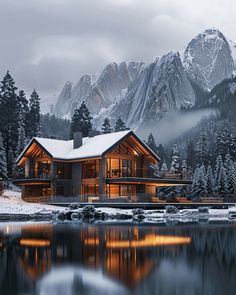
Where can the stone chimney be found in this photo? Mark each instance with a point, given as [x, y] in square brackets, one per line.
[78, 139]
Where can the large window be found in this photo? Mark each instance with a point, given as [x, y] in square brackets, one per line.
[117, 190]
[119, 168]
[63, 170]
[90, 169]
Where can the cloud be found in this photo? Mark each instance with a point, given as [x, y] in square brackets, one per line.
[47, 42]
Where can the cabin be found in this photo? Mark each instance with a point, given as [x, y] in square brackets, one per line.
[112, 167]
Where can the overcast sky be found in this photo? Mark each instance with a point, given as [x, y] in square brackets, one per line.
[47, 42]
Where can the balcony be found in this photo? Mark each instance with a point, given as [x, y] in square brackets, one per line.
[144, 176]
[36, 176]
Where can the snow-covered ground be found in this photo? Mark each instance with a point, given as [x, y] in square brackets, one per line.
[11, 203]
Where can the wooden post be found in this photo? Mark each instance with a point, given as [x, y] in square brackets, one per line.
[27, 167]
[102, 178]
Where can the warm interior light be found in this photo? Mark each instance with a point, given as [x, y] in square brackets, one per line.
[148, 241]
[34, 243]
[91, 241]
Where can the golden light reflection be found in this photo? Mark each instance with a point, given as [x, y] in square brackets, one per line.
[34, 243]
[149, 241]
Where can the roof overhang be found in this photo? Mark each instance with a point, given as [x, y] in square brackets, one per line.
[148, 181]
[131, 133]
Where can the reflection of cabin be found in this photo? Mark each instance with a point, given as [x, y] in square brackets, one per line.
[113, 166]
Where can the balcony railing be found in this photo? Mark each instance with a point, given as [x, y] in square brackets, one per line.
[145, 173]
[34, 174]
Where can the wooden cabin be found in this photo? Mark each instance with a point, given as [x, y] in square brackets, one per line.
[108, 167]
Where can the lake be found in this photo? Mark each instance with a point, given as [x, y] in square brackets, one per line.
[76, 258]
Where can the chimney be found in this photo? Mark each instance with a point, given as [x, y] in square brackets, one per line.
[78, 138]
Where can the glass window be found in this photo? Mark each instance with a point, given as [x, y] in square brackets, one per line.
[90, 169]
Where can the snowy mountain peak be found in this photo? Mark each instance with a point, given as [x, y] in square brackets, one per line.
[208, 59]
[98, 91]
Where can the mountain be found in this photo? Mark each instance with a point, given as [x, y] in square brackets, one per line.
[208, 58]
[149, 97]
[98, 91]
[160, 88]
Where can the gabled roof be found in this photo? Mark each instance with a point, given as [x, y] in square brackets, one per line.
[92, 147]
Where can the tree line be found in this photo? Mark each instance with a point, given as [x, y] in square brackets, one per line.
[19, 121]
[82, 122]
[210, 165]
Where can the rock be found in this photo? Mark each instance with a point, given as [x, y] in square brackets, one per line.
[74, 206]
[171, 210]
[203, 210]
[88, 212]
[61, 216]
[137, 211]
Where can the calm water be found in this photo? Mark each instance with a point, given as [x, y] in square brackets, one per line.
[74, 258]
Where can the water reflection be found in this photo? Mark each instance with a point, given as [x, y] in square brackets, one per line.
[86, 259]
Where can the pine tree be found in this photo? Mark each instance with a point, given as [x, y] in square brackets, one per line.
[184, 169]
[219, 164]
[106, 126]
[199, 181]
[9, 118]
[230, 173]
[164, 168]
[3, 162]
[222, 181]
[225, 143]
[34, 116]
[162, 154]
[151, 143]
[202, 147]
[155, 169]
[210, 184]
[191, 155]
[120, 125]
[81, 121]
[175, 164]
[23, 110]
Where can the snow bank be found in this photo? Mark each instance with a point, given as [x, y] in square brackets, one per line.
[11, 203]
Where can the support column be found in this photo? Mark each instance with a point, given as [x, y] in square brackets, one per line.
[76, 178]
[102, 178]
[27, 167]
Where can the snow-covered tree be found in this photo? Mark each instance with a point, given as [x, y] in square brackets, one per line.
[164, 168]
[106, 126]
[3, 161]
[81, 121]
[9, 117]
[151, 143]
[23, 110]
[34, 128]
[191, 155]
[230, 173]
[222, 181]
[120, 125]
[210, 183]
[175, 163]
[219, 164]
[184, 169]
[199, 181]
[155, 169]
[202, 147]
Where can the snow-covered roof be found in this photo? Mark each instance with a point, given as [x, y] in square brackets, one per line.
[91, 147]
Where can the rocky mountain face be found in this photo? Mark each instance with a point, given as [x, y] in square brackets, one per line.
[160, 88]
[142, 95]
[98, 91]
[208, 59]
